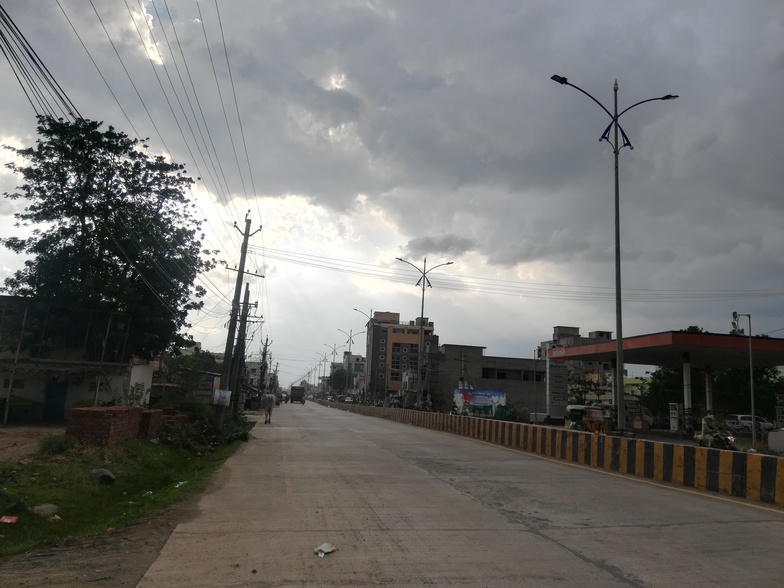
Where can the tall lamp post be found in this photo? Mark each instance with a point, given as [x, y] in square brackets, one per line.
[334, 347]
[369, 355]
[351, 334]
[618, 396]
[537, 356]
[735, 325]
[425, 283]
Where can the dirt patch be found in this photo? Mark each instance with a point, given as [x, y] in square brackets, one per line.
[118, 559]
[16, 441]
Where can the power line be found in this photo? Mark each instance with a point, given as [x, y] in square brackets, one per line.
[31, 72]
[514, 288]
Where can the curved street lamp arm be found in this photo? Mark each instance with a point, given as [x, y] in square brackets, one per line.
[565, 83]
[439, 265]
[626, 141]
[409, 263]
[350, 335]
[667, 97]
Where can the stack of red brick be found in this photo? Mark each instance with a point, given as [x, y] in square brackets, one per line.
[112, 424]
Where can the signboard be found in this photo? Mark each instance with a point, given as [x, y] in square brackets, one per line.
[207, 384]
[221, 397]
[480, 403]
[557, 389]
[675, 413]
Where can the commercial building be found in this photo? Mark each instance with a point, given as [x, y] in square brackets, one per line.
[392, 357]
[466, 366]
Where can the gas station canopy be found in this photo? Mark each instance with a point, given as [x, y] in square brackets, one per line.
[673, 348]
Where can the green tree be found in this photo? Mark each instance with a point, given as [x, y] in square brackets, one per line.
[186, 371]
[583, 389]
[112, 226]
[665, 385]
[338, 380]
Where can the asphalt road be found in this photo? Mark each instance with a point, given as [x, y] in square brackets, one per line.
[411, 507]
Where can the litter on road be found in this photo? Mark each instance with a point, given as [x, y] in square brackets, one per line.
[324, 549]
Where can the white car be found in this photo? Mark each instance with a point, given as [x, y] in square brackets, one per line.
[742, 422]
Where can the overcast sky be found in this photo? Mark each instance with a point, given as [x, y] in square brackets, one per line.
[381, 129]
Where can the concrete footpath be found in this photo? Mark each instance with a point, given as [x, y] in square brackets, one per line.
[410, 507]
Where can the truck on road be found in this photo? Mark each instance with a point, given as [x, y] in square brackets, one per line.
[297, 394]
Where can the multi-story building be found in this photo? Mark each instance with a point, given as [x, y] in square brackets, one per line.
[560, 373]
[253, 374]
[392, 357]
[355, 367]
[466, 366]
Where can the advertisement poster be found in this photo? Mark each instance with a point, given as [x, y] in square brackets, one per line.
[480, 403]
[221, 397]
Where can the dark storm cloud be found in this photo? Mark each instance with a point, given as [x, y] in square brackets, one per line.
[442, 115]
[454, 245]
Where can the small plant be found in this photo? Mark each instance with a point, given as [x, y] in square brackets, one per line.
[57, 444]
[135, 395]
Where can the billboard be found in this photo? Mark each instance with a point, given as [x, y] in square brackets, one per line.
[480, 403]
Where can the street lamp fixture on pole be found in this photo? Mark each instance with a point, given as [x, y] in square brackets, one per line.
[615, 127]
[425, 283]
[370, 358]
[351, 334]
[334, 347]
[735, 325]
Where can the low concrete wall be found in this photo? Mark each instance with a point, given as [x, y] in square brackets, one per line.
[734, 473]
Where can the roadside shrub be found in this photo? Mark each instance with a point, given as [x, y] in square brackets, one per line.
[56, 444]
[237, 429]
[517, 414]
[186, 436]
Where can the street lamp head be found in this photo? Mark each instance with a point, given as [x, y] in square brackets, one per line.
[735, 316]
[559, 79]
[669, 97]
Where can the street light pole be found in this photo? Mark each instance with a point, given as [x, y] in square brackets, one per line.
[537, 355]
[425, 283]
[618, 391]
[334, 347]
[369, 357]
[735, 317]
[351, 334]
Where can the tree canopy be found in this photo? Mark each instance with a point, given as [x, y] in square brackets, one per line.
[112, 226]
[731, 387]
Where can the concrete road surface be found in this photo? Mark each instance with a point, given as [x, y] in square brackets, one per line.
[411, 507]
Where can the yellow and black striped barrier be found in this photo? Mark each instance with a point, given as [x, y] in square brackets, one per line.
[746, 475]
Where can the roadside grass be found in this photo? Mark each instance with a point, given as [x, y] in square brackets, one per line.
[149, 477]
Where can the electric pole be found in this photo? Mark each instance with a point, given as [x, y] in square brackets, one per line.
[226, 383]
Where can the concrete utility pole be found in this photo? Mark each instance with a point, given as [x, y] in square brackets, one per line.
[263, 367]
[226, 383]
[238, 361]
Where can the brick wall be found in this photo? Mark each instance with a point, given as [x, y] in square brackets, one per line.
[151, 423]
[104, 425]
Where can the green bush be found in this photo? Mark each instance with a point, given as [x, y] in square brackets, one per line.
[57, 444]
[517, 414]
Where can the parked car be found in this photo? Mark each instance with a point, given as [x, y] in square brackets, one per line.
[742, 423]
